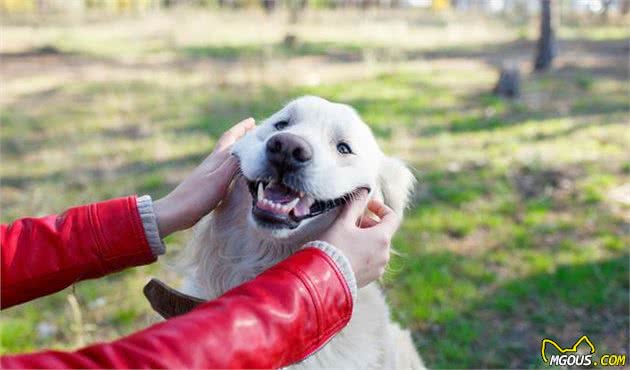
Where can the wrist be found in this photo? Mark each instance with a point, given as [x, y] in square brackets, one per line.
[165, 217]
[179, 210]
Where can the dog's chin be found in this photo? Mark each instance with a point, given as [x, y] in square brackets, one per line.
[268, 220]
[282, 210]
[279, 231]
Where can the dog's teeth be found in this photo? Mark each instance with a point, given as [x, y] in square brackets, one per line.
[298, 212]
[261, 194]
[292, 204]
[304, 206]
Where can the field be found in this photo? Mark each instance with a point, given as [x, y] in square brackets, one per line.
[520, 223]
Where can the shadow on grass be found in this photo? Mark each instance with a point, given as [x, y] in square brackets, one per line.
[73, 178]
[41, 51]
[342, 52]
[232, 105]
[502, 327]
[609, 52]
[481, 286]
[497, 53]
[505, 113]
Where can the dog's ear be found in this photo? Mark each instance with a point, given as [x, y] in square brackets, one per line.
[396, 183]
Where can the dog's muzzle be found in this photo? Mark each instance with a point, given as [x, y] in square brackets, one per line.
[277, 205]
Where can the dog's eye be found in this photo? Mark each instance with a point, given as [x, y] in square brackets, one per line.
[344, 148]
[281, 125]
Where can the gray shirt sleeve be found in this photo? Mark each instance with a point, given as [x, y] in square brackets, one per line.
[149, 222]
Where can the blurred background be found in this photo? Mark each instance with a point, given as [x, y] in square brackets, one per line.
[513, 114]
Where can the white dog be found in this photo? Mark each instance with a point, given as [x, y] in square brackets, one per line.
[297, 168]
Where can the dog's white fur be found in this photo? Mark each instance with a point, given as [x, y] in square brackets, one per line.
[229, 247]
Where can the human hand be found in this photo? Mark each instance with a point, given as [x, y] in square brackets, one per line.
[363, 240]
[204, 188]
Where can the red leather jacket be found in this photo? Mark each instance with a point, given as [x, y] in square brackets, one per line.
[281, 317]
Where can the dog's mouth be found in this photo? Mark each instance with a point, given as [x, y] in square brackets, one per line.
[276, 205]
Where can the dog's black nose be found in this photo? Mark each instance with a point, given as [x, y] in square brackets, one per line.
[288, 152]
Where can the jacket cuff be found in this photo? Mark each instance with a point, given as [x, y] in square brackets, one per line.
[116, 228]
[149, 223]
[340, 260]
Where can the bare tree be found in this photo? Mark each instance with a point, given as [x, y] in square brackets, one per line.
[546, 48]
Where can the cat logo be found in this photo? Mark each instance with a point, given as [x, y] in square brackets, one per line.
[572, 357]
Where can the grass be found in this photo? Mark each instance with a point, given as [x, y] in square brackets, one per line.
[513, 234]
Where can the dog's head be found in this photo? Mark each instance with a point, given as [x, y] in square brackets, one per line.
[309, 158]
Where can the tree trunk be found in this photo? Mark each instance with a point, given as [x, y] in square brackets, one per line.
[296, 8]
[606, 5]
[269, 5]
[546, 48]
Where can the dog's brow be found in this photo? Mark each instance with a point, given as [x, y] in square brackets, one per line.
[341, 134]
[291, 112]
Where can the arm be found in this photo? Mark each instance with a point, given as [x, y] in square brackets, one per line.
[284, 315]
[41, 256]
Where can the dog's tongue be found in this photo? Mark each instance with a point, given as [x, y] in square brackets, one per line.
[279, 193]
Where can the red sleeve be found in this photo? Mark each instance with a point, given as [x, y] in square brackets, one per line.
[41, 256]
[282, 316]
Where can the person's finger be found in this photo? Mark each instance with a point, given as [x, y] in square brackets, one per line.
[366, 222]
[378, 208]
[233, 134]
[371, 217]
[227, 169]
[353, 210]
[389, 219]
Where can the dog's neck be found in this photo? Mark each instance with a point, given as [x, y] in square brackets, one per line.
[228, 250]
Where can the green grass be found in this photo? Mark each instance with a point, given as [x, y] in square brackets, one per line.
[283, 49]
[512, 235]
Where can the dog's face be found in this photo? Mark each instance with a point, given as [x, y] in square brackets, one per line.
[308, 159]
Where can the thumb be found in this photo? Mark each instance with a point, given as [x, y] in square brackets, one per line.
[227, 169]
[353, 210]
